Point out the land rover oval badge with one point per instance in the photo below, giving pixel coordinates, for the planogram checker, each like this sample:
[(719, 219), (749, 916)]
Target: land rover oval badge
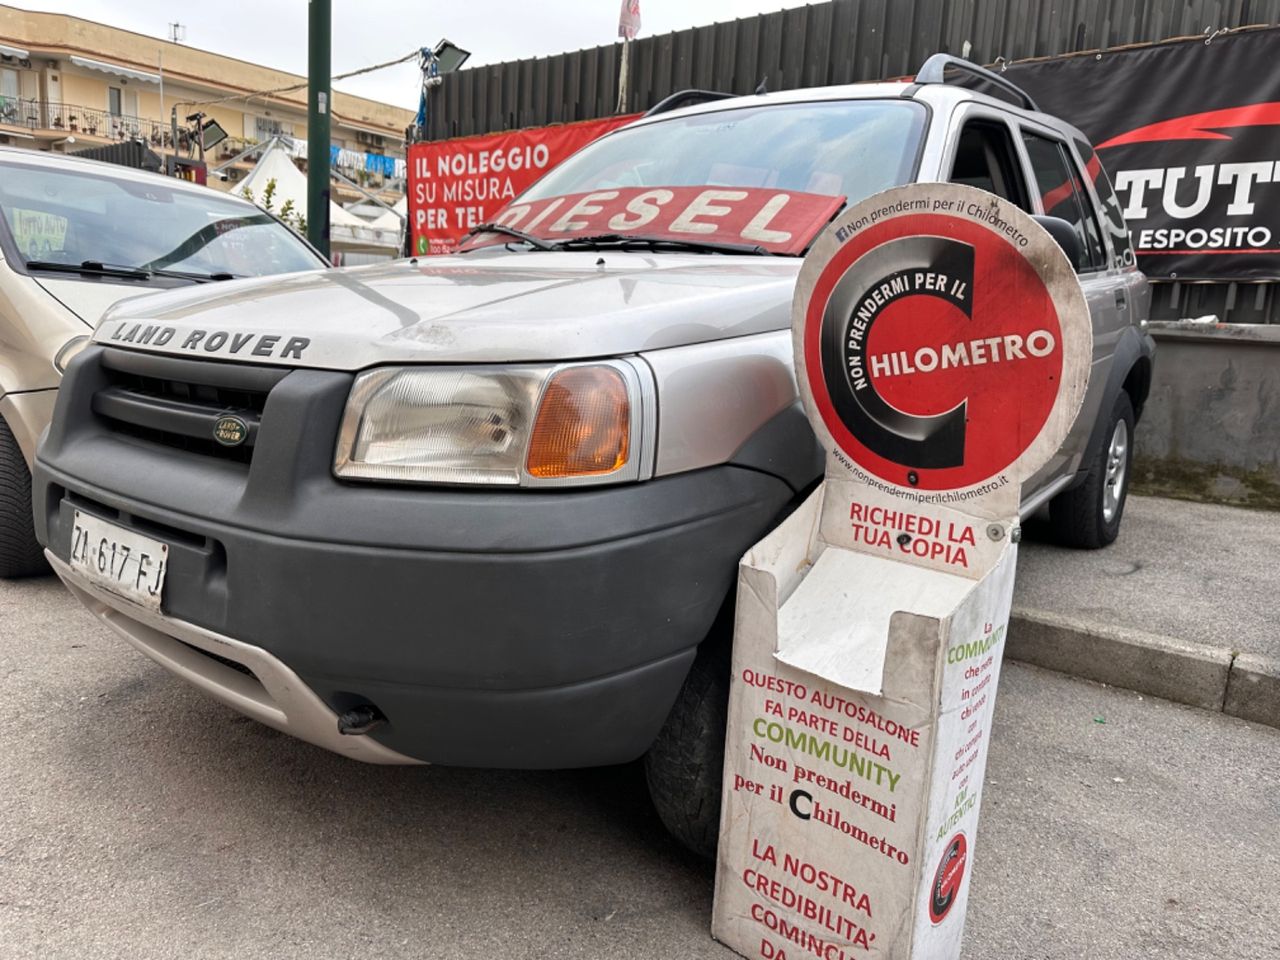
[(230, 431)]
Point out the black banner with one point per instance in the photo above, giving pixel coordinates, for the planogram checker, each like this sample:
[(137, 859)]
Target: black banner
[(1189, 133)]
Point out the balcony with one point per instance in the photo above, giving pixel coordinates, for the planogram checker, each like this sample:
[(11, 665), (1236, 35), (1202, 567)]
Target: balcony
[(49, 123), (228, 148), (45, 120)]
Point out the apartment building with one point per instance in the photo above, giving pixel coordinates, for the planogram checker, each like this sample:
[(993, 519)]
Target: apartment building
[(67, 84)]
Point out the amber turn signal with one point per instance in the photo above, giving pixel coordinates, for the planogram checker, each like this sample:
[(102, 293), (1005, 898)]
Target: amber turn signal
[(583, 427)]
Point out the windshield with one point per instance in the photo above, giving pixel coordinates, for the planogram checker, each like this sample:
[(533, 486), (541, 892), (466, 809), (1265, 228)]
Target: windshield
[(849, 148), (73, 217), (762, 179)]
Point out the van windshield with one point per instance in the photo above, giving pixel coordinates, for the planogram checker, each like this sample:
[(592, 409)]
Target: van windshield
[(64, 217)]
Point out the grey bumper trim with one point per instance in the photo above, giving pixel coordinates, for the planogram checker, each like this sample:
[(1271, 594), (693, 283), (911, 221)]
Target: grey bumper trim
[(274, 695)]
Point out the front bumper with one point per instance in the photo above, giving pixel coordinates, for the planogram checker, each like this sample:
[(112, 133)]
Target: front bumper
[(510, 629), (266, 689)]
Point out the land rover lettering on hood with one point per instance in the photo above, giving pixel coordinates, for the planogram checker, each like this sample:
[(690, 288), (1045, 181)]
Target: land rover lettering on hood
[(210, 341)]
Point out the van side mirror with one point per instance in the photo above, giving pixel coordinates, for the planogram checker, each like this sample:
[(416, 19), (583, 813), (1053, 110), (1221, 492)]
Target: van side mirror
[(1066, 236)]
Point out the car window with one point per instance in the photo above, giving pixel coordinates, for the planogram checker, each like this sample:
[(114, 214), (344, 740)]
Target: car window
[(851, 148), (72, 216), (1062, 195), (1112, 215), (985, 159)]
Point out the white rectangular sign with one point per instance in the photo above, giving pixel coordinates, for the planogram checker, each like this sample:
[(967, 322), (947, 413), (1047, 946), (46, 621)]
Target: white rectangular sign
[(119, 560), (843, 798)]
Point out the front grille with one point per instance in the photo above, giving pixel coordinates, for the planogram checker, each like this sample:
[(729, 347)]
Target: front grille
[(202, 394), (176, 403), (178, 441)]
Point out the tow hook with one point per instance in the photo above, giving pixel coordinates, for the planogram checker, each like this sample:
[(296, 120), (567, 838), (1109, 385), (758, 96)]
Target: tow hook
[(360, 720)]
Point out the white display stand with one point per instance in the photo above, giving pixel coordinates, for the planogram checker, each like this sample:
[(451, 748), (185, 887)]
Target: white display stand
[(870, 625)]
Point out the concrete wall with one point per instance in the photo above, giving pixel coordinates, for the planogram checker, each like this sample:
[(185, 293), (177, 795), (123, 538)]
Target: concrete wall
[(1215, 398), (84, 90)]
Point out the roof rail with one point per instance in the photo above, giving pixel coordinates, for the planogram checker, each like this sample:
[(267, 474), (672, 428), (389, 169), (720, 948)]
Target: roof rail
[(935, 68), (687, 98)]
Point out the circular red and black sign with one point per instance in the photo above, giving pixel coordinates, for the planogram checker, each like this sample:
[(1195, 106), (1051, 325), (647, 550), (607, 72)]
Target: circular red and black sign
[(947, 878), (933, 346)]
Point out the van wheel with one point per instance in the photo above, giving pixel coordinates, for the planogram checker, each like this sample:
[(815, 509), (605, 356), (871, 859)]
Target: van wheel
[(685, 765), (1088, 516), (20, 554)]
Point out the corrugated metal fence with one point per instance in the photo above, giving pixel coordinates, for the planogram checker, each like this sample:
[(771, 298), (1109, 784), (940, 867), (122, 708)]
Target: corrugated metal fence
[(841, 41), (844, 41)]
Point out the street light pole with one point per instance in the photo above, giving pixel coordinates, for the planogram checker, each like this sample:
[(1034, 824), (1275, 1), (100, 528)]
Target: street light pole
[(319, 98)]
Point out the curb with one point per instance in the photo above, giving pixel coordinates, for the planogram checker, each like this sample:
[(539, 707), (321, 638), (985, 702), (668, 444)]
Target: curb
[(1212, 678), (1253, 692)]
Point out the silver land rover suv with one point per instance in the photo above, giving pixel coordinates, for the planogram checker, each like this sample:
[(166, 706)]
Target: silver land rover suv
[(486, 509)]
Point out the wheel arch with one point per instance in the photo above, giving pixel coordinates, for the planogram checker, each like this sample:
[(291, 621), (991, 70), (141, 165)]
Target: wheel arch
[(26, 415), (1137, 383), (1130, 371)]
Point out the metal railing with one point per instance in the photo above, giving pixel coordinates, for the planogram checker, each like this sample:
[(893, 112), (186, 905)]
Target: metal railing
[(226, 149), (18, 112), (74, 118), (101, 123)]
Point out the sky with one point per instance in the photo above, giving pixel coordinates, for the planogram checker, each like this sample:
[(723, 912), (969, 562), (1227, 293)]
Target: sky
[(365, 32)]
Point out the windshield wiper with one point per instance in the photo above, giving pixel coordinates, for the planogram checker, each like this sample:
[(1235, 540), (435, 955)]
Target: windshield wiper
[(92, 267), (192, 275), (99, 269), (601, 240), (536, 242)]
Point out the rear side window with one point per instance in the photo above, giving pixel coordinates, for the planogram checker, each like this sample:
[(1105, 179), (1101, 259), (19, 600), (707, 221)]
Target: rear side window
[(1062, 195), (1112, 218), (985, 159)]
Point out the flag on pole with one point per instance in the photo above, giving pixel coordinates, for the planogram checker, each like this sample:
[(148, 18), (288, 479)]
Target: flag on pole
[(629, 19)]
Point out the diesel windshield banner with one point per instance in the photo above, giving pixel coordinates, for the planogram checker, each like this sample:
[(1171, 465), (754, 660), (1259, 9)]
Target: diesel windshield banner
[(1189, 133)]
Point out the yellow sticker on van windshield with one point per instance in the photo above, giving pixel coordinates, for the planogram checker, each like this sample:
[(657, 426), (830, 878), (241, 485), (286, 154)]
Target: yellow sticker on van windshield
[(37, 234)]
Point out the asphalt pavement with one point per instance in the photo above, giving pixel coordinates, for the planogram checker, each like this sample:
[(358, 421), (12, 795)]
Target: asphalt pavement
[(139, 819), (1202, 573), (1182, 606)]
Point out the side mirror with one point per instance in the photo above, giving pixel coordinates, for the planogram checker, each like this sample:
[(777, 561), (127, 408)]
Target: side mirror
[(1065, 235)]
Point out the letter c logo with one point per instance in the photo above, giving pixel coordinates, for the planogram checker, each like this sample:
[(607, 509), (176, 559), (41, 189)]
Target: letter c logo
[(795, 806), (851, 313)]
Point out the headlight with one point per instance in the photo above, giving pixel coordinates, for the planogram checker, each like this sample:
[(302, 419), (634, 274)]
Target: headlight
[(68, 352), (539, 425)]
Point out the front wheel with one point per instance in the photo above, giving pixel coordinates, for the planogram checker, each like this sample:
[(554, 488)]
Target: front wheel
[(20, 554), (1088, 516), (685, 765)]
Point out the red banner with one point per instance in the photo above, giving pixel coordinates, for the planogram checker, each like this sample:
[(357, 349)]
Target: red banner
[(455, 185), (780, 221)]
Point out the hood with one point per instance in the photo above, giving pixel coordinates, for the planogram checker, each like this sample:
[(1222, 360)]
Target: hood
[(89, 299), (487, 306)]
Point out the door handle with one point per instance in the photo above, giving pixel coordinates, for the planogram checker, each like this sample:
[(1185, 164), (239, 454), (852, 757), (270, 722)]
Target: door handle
[(1121, 300)]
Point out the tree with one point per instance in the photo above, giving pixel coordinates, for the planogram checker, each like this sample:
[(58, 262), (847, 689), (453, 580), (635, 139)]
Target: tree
[(288, 214)]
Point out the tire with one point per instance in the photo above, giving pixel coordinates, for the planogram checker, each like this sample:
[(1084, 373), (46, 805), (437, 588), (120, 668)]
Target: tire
[(685, 765), (1088, 516), (20, 554)]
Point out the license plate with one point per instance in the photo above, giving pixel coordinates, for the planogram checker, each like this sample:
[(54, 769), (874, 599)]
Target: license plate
[(120, 560)]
